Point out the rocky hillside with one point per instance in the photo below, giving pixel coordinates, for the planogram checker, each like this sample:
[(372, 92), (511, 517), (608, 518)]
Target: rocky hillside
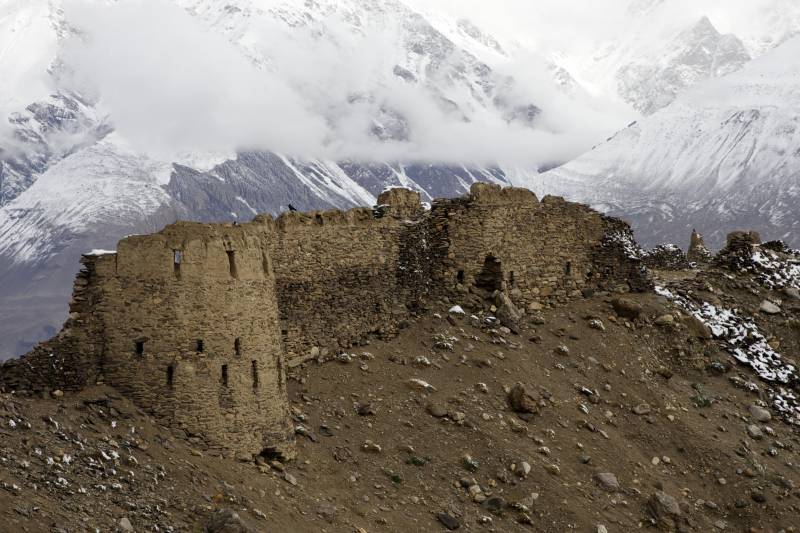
[(614, 413)]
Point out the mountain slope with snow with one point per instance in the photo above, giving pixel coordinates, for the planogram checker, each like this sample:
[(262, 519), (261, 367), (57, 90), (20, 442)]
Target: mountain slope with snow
[(724, 155)]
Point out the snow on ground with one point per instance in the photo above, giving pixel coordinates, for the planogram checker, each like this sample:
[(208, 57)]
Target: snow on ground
[(747, 344)]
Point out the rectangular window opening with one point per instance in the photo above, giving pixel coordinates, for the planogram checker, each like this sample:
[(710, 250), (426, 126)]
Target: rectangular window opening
[(200, 346), (511, 278), (568, 268), (232, 263), (170, 376), (177, 259), (224, 376), (139, 347), (254, 366), (237, 346), (460, 276)]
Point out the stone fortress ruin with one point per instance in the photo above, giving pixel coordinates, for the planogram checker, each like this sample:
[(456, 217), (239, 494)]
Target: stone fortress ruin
[(197, 323)]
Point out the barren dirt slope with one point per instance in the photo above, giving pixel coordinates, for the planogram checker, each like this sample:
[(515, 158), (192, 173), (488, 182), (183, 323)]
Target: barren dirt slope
[(634, 426)]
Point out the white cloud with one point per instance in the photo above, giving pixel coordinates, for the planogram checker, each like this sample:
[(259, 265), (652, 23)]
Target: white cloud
[(170, 84), (173, 84)]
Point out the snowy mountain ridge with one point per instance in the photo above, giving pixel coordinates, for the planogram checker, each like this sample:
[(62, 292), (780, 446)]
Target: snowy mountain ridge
[(725, 154)]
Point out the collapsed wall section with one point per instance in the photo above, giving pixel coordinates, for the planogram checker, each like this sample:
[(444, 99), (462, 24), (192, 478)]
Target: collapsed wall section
[(70, 360)]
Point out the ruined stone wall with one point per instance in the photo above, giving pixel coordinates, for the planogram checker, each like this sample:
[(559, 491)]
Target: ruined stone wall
[(71, 359), (196, 323), (544, 251), (343, 275)]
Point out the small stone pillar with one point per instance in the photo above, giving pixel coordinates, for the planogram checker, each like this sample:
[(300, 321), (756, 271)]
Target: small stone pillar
[(698, 251)]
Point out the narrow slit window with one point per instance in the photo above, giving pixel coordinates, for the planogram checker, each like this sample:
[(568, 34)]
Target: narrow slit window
[(237, 346), (511, 278), (200, 346), (177, 259), (568, 268), (140, 348), (170, 376), (224, 376), (254, 369), (281, 375), (232, 263), (460, 276)]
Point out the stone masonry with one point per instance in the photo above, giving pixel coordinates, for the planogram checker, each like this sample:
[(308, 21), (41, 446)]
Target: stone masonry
[(197, 323)]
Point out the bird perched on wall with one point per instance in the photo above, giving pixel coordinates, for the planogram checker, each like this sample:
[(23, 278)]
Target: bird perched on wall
[(292, 208)]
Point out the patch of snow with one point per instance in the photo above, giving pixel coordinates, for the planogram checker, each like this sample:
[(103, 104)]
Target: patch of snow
[(745, 342)]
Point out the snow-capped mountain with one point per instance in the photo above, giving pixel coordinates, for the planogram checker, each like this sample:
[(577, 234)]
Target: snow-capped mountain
[(723, 155), (665, 48)]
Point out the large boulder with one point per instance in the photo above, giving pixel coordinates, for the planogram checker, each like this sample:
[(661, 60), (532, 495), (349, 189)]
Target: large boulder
[(664, 510), (626, 308), (507, 313), (521, 401)]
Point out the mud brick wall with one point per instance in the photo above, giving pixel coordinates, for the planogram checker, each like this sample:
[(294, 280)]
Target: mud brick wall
[(543, 250)]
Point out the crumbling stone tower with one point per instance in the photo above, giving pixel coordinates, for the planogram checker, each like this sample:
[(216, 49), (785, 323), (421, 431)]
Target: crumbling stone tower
[(185, 323)]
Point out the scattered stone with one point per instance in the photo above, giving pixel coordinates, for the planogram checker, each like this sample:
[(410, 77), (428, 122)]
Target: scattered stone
[(608, 481), (522, 469), (601, 529), (415, 383), (470, 464), (626, 308), (755, 432), (495, 505), (370, 447), (760, 414), (436, 410), (290, 479), (448, 521), (125, 524), (58, 393), (664, 510), (642, 409), (665, 321), (226, 521), (597, 324), (792, 293), (553, 469), (769, 308), (457, 310), (520, 400)]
